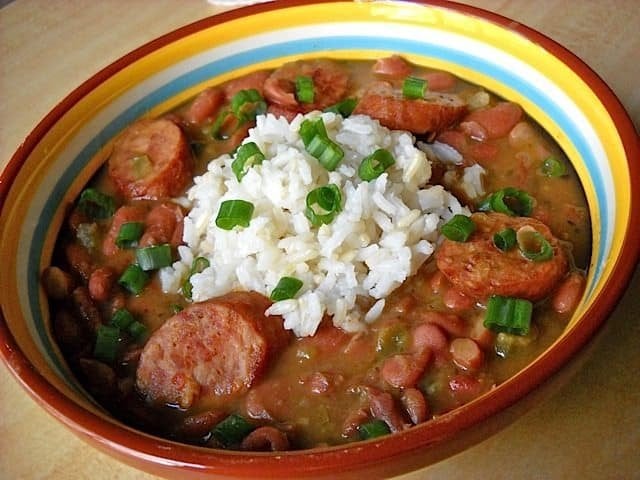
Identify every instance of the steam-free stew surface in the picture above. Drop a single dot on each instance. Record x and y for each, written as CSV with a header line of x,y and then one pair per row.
x,y
427,353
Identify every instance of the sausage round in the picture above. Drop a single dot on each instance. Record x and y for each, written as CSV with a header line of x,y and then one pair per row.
x,y
210,349
479,269
151,159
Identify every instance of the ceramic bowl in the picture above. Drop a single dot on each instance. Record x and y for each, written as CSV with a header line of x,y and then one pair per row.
x,y
62,153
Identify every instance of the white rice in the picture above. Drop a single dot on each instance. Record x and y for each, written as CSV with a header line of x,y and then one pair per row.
x,y
387,227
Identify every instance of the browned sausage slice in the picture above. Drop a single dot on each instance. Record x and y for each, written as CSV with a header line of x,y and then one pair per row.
x,y
479,269
151,159
215,348
433,114
330,83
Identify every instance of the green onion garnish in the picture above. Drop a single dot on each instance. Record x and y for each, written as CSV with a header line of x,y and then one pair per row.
x,y
505,239
286,288
134,279
533,245
318,144
247,156
511,201
232,430
95,204
107,343
216,129
304,89
552,167
413,87
138,331
234,213
129,234
323,203
459,228
375,164
246,105
508,315
327,152
374,428
122,318
198,266
344,108
154,257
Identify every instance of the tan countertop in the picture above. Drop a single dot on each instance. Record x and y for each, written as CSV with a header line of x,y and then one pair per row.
x,y
589,429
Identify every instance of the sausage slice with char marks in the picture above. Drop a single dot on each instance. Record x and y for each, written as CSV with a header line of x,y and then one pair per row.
x,y
210,349
479,269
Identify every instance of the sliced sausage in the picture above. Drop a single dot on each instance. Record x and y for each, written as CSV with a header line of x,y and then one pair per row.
x,y
210,349
151,159
478,269
254,80
432,114
330,83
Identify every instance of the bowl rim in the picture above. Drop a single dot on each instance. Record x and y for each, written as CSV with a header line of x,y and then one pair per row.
x,y
127,441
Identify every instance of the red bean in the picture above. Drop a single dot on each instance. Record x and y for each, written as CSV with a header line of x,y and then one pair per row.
x,y
568,294
450,322
416,405
440,81
101,282
429,336
266,439
466,353
497,120
394,66
205,106
402,371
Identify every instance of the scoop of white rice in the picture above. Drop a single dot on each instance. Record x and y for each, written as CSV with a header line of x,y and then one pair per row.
x,y
385,231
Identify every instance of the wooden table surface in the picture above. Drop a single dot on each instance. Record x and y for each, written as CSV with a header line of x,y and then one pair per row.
x,y
590,429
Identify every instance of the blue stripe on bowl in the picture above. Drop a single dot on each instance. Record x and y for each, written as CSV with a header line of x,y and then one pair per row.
x,y
295,47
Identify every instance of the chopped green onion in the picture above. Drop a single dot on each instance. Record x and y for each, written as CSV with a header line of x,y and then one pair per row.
x,y
459,228
511,201
508,315
134,279
232,430
198,266
323,203
176,307
95,204
552,167
375,164
413,87
374,428
327,152
312,128
318,144
533,245
246,105
505,239
247,156
129,234
138,331
154,257
234,213
122,318
344,108
216,129
107,343
286,288
304,89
